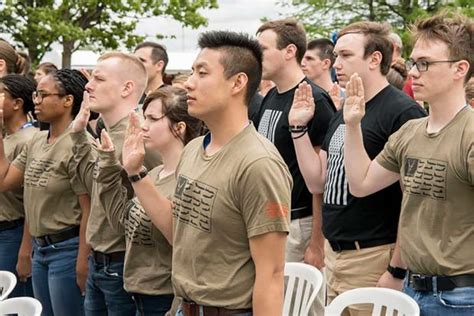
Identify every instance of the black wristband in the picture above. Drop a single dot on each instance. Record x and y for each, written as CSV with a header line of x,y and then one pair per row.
x,y
297,128
396,272
300,135
137,177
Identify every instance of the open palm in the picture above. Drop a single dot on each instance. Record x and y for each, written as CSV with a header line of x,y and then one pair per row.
x,y
354,105
133,151
302,109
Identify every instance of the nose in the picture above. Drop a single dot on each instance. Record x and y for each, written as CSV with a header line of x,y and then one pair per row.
x,y
89,86
337,63
188,83
413,72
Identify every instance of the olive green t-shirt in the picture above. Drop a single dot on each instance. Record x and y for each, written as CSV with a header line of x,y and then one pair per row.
x,y
100,234
51,185
220,202
11,202
436,229
147,267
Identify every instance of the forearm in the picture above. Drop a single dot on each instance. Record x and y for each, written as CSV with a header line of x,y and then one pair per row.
x,y
84,248
317,237
268,293
26,246
356,160
84,158
156,206
396,260
310,164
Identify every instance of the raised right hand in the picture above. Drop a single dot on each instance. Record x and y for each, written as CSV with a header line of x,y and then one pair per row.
x,y
354,106
302,109
133,151
82,118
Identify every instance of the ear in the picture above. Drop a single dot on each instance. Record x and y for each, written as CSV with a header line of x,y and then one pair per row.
x,y
326,64
461,69
375,60
239,83
3,66
127,89
159,66
180,128
69,101
290,51
18,105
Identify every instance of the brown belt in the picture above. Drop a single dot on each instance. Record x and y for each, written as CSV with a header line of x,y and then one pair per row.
x,y
193,309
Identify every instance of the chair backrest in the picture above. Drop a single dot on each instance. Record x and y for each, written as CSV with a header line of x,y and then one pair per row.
x,y
7,284
303,284
392,300
23,306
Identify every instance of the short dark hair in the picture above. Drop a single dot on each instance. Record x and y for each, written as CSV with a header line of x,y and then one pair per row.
x,y
158,52
47,67
21,87
455,30
288,31
240,54
71,82
325,49
175,108
377,38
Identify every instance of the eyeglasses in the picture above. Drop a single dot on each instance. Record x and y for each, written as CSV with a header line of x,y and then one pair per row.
x,y
40,95
423,65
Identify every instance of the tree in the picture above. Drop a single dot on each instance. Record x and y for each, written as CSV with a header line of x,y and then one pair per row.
x,y
322,17
37,24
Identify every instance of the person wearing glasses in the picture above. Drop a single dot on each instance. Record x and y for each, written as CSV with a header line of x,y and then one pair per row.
x,y
360,232
433,158
15,242
56,202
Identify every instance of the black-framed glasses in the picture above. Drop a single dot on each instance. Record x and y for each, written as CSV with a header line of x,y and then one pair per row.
x,y
40,95
423,65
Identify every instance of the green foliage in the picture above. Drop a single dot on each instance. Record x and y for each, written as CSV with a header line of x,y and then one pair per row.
x,y
322,17
105,24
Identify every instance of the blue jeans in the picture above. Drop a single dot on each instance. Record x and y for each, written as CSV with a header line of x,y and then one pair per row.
x,y
10,241
458,302
105,294
152,305
54,278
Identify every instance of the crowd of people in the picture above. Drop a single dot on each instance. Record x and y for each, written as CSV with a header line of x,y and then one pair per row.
x,y
126,195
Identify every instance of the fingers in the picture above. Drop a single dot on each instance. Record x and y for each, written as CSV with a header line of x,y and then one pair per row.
x,y
359,87
106,141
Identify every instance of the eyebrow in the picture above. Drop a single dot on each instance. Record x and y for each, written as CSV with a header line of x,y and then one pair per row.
x,y
200,64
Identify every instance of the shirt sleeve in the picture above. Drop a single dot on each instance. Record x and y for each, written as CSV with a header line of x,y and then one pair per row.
x,y
264,191
84,159
20,160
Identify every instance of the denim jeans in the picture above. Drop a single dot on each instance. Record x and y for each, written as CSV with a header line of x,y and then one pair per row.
x,y
152,305
105,294
54,278
459,301
10,241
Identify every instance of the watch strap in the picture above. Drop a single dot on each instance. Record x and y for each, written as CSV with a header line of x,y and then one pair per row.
x,y
137,177
396,272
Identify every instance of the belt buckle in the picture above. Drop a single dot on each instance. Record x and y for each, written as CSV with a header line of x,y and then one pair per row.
x,y
421,282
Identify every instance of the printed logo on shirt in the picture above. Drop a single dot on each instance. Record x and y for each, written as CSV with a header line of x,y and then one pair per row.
x,y
38,172
138,226
336,188
193,203
425,177
268,124
276,210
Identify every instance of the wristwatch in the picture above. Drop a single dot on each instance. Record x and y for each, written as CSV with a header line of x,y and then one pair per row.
x,y
396,272
136,177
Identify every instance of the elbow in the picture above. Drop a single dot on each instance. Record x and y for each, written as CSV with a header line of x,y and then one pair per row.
x,y
358,192
315,187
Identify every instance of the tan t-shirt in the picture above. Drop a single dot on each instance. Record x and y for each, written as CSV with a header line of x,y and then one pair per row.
x,y
221,201
147,267
437,172
11,202
51,185
100,234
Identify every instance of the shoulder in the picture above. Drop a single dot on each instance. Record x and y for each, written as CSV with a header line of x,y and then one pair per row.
x,y
398,101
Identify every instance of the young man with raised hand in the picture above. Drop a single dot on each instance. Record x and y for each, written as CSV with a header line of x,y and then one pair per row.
x,y
434,159
361,233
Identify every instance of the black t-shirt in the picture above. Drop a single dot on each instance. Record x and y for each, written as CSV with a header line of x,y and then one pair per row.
x,y
254,106
347,218
272,122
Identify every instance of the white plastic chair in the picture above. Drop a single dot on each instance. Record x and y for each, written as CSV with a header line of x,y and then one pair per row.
x,y
23,306
7,284
393,301
307,280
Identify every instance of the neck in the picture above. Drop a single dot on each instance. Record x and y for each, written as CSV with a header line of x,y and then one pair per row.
x,y
288,77
58,127
444,108
117,113
13,125
324,82
373,85
154,84
225,125
171,156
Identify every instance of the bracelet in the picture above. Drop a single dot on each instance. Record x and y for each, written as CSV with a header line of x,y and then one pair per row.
x,y
300,135
137,177
396,272
297,128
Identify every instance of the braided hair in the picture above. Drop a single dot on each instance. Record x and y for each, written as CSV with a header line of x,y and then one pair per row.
x,y
20,87
15,63
71,82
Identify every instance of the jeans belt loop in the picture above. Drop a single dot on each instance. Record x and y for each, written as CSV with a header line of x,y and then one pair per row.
x,y
434,285
201,310
357,245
